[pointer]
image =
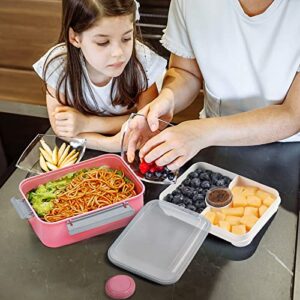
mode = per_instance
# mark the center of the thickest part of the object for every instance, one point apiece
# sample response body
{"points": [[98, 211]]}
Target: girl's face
{"points": [[107, 47]]}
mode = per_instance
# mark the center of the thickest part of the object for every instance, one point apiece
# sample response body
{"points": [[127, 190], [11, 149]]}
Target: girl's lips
{"points": [[117, 65]]}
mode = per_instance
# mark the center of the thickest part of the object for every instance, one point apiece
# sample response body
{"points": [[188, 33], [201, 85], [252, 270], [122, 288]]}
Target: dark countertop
{"points": [[263, 270]]}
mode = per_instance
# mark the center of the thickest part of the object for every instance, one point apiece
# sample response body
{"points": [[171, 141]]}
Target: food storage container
{"points": [[162, 239], [74, 229], [29, 159], [237, 180]]}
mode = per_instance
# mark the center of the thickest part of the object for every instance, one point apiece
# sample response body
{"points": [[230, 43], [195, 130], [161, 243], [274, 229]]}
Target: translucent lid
{"points": [[160, 242]]}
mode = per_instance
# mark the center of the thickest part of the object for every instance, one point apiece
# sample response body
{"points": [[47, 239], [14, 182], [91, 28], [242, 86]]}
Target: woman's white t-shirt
{"points": [[246, 62], [153, 64]]}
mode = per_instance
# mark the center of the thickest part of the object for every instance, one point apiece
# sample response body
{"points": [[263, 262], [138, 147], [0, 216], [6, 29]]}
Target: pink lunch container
{"points": [[86, 225]]}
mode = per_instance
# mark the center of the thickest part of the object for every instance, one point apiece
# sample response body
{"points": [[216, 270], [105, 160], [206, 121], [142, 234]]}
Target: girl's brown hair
{"points": [[80, 15]]}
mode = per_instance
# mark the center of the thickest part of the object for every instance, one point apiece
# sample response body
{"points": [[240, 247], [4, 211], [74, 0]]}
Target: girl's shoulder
{"points": [[51, 65], [53, 58]]}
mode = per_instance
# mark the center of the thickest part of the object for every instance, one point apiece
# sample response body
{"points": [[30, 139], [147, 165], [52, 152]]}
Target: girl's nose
{"points": [[117, 51]]}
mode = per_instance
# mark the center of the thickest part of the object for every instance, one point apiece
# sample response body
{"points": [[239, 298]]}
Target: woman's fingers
{"points": [[152, 149]]}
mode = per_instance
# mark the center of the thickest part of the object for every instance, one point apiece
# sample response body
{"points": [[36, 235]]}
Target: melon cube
{"points": [[239, 201], [249, 210], [233, 211], [254, 201], [268, 200], [238, 229], [262, 210], [249, 221], [225, 225], [210, 216], [233, 220], [249, 191]]}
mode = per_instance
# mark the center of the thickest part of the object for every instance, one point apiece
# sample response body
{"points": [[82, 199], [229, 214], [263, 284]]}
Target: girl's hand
{"points": [[176, 145], [69, 122]]}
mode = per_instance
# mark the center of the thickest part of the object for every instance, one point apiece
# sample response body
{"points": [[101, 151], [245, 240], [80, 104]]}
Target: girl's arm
{"points": [[113, 143], [69, 122]]}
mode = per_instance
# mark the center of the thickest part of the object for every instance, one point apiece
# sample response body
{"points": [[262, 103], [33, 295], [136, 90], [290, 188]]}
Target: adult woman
{"points": [[247, 53]]}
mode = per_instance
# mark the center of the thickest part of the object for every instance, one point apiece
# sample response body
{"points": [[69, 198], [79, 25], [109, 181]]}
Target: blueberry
{"points": [[187, 181], [221, 182], [169, 198], [164, 175], [198, 197], [187, 201], [195, 192], [176, 192], [204, 176], [193, 175], [204, 191], [198, 204], [199, 171], [191, 207], [158, 174], [177, 199], [205, 184], [171, 176], [188, 192], [148, 175], [195, 182], [181, 204]]}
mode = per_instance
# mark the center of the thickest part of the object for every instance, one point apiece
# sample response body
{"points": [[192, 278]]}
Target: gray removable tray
{"points": [[160, 242]]}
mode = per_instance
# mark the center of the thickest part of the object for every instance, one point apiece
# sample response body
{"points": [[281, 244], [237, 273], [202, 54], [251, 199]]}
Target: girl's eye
{"points": [[126, 40], [102, 44]]}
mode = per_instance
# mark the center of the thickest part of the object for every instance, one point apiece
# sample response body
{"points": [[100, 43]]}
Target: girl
{"points": [[98, 73]]}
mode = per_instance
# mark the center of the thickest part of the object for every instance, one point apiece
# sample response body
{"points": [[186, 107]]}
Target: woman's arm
{"points": [[175, 146]]}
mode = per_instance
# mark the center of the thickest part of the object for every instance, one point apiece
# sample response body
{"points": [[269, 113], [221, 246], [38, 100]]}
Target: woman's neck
{"points": [[255, 7]]}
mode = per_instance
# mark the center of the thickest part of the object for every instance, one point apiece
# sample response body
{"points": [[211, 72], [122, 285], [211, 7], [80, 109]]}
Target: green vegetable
{"points": [[42, 197], [42, 208]]}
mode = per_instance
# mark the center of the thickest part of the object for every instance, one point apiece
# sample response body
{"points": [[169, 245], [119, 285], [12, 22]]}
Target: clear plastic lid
{"points": [[160, 242], [148, 172]]}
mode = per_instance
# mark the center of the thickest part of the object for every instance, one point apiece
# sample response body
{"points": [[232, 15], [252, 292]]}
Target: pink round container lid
{"points": [[120, 287]]}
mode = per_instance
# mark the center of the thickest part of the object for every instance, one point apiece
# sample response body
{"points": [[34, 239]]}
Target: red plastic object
{"points": [[120, 287]]}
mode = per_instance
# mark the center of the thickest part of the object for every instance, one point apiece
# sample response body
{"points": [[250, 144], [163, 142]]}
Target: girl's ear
{"points": [[74, 38]]}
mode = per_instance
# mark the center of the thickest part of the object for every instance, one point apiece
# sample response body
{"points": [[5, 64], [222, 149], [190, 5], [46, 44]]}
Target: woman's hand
{"points": [[176, 145], [68, 121], [141, 129]]}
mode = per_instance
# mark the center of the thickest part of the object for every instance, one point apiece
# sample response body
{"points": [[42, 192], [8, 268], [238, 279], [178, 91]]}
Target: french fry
{"points": [[43, 163], [46, 147], [46, 155], [51, 166], [54, 155], [61, 151], [63, 156]]}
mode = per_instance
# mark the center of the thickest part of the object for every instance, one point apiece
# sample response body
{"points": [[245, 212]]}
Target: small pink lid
{"points": [[120, 287]]}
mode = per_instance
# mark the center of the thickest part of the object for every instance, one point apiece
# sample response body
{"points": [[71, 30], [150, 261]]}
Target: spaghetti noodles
{"points": [[89, 190]]}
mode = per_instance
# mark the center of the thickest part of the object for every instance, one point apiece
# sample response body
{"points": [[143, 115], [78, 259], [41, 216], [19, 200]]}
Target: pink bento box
{"points": [[86, 225]]}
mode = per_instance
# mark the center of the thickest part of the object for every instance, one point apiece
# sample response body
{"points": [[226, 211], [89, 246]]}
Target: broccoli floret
{"points": [[42, 208]]}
